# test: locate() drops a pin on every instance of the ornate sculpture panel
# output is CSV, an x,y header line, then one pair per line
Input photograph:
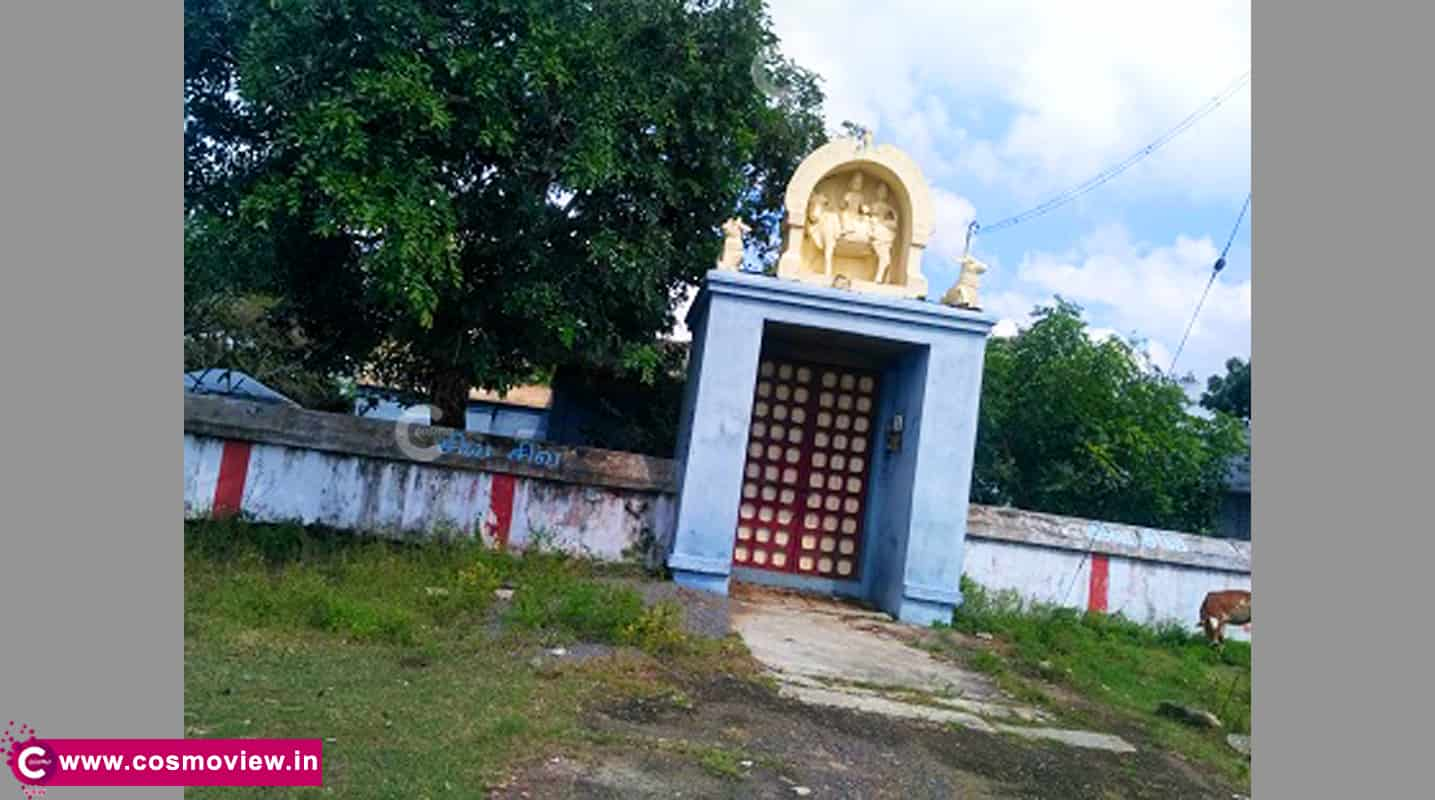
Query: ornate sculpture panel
x,y
860,216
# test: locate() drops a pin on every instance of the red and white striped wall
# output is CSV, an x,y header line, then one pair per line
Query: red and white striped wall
x,y
273,483
1147,575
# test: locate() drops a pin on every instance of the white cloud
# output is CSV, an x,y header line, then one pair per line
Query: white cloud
x,y
1084,84
1005,329
1150,292
952,214
1160,356
1012,305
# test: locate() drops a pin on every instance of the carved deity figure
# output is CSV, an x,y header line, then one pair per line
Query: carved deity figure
x,y
824,226
963,293
884,231
734,229
854,209
856,227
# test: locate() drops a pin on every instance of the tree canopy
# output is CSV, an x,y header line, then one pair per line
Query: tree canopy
x,y
454,194
1073,425
1230,393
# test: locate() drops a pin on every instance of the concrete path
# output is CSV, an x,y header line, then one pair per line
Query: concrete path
x,y
824,652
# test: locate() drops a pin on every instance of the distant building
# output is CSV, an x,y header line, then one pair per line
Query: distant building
x,y
520,414
1233,521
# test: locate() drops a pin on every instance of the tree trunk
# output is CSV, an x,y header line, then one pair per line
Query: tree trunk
x,y
448,394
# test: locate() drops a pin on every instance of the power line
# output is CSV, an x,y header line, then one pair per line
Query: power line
x,y
1215,270
1111,172
1221,262
1192,323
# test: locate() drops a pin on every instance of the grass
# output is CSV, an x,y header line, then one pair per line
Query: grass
x,y
422,684
399,657
1125,668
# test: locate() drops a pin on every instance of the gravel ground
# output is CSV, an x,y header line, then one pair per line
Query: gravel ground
x,y
704,613
778,748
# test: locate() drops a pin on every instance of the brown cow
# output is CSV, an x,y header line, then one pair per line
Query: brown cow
x,y
1219,608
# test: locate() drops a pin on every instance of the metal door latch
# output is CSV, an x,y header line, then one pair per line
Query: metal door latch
x,y
894,434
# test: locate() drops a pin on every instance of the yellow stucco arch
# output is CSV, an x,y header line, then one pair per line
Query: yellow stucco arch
x,y
826,172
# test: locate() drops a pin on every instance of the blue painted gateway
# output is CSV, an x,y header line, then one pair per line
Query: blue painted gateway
x,y
826,443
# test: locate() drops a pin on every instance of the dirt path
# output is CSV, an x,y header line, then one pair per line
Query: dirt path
x,y
825,652
740,740
829,729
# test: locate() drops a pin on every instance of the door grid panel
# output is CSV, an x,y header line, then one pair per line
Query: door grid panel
x,y
804,490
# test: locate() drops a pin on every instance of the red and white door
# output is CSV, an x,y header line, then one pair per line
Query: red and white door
x,y
804,491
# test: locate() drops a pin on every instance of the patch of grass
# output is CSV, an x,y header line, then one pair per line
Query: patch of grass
x,y
659,630
586,609
722,763
398,656
285,577
986,661
290,577
1126,667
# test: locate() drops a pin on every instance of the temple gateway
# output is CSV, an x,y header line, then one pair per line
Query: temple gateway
x,y
830,415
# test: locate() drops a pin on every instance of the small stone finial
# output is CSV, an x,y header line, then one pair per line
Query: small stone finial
x,y
860,135
963,293
731,258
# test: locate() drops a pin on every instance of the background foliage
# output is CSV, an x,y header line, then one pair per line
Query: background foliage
x,y
1230,393
1070,425
447,195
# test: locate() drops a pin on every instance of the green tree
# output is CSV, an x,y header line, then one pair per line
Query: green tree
x,y
1230,393
230,322
450,194
1074,426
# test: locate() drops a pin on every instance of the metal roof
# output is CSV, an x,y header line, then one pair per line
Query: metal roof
x,y
231,383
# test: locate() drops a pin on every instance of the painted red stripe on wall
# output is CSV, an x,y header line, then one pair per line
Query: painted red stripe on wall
x,y
1100,581
233,471
500,509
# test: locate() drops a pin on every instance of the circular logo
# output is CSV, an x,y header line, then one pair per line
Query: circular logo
x,y
419,415
34,762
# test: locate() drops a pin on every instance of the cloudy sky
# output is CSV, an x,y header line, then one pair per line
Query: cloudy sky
x,y
1006,104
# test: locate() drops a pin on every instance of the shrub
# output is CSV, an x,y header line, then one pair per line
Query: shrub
x,y
659,630
588,609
